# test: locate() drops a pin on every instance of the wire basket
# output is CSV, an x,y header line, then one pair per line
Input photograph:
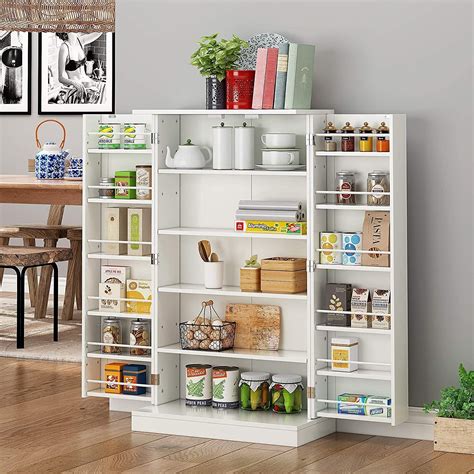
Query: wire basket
x,y
205,333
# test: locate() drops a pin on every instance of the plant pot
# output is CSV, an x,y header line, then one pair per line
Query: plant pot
x,y
250,279
454,435
239,89
215,93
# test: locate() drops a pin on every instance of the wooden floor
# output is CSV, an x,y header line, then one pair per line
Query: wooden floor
x,y
45,426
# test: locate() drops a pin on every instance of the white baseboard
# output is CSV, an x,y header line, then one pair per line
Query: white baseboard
x,y
418,426
9,284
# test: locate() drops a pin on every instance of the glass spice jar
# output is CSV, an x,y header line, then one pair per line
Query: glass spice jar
x,y
347,143
111,334
365,143
345,182
287,393
329,143
139,336
383,143
107,188
378,182
254,391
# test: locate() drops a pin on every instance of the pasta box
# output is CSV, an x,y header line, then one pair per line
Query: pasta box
x,y
134,374
114,374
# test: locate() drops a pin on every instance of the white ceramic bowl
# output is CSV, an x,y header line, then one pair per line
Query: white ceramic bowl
x,y
279,140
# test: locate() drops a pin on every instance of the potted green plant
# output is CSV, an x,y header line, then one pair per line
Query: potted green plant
x,y
213,58
454,422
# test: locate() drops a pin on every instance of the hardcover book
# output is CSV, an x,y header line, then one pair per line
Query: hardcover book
x,y
282,70
299,82
270,78
259,83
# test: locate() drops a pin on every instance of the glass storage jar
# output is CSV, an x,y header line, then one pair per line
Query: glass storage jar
x,y
378,182
107,190
254,391
111,334
347,143
329,143
345,182
365,143
383,143
139,336
287,393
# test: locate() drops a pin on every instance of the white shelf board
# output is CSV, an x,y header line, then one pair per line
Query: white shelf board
x,y
211,172
101,393
101,355
339,135
377,154
328,311
332,413
324,327
352,207
105,256
121,202
191,289
298,357
106,314
359,268
213,232
357,374
219,112
120,151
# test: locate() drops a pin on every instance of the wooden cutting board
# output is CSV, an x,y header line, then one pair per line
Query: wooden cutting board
x,y
258,325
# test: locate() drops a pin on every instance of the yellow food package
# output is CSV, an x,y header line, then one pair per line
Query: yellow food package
x,y
139,290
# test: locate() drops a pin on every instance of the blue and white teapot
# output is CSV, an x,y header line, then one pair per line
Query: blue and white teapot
x,y
50,161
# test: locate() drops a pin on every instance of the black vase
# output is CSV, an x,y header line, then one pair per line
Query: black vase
x,y
215,93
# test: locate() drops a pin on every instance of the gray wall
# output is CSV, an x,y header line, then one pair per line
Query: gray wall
x,y
412,57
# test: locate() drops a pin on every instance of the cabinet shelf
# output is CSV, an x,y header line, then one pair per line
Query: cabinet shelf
x,y
101,355
212,172
357,374
357,268
324,327
106,256
332,413
120,202
378,154
352,207
106,314
120,151
101,393
213,232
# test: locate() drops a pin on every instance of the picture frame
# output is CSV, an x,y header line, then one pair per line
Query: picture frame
x,y
15,73
76,74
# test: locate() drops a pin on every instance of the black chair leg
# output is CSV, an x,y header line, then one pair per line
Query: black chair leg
x,y
55,302
20,308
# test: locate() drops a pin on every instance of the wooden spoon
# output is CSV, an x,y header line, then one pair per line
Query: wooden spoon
x,y
207,248
214,257
202,251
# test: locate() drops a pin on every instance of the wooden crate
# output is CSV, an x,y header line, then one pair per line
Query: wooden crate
x,y
289,264
453,435
250,279
274,281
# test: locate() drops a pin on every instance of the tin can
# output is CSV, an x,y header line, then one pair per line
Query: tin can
x,y
139,336
345,182
109,135
329,242
225,387
351,244
143,178
107,190
198,385
134,136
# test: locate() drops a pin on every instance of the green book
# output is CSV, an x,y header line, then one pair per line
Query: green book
x,y
299,83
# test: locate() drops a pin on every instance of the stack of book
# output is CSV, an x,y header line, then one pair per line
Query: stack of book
x,y
280,217
284,77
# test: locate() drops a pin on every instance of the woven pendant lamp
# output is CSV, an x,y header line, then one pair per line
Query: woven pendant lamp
x,y
80,16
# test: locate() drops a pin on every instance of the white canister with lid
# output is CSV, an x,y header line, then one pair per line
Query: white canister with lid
x,y
244,147
222,147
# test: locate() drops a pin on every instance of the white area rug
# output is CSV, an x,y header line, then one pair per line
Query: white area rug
x,y
38,334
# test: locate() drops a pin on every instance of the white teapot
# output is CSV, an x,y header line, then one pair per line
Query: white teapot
x,y
188,156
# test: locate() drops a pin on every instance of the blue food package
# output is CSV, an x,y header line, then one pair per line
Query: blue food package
x,y
350,407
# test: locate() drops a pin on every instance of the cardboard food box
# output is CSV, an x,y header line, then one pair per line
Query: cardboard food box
x,y
383,408
134,374
108,293
114,274
338,298
376,237
361,320
139,230
139,290
381,301
344,351
361,301
284,275
272,227
124,179
351,403
114,374
381,321
115,229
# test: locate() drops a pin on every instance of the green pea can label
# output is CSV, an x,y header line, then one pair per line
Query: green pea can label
x,y
198,385
225,387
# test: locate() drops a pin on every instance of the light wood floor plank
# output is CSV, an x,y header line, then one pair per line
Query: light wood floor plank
x,y
447,463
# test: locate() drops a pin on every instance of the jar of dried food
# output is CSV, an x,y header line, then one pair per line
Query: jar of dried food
x,y
287,393
107,190
345,182
378,182
254,391
347,142
111,334
365,143
143,181
383,143
139,336
329,142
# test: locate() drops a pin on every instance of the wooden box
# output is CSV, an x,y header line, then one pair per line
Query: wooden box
x,y
454,435
283,275
289,264
250,279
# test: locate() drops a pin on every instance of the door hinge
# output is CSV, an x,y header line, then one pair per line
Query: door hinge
x,y
155,138
155,258
310,266
155,379
311,392
310,139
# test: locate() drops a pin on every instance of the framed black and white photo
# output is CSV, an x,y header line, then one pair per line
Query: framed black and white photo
x,y
76,73
15,72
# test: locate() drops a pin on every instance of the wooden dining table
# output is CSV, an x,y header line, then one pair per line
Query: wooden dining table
x,y
58,193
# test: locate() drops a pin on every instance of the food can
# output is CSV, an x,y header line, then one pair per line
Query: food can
x,y
345,182
225,387
107,190
109,135
198,385
134,136
139,336
351,244
143,178
330,241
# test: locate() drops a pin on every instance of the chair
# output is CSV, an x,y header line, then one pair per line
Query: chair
x,y
74,275
32,257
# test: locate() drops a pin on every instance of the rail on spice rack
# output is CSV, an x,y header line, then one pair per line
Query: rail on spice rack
x,y
332,413
356,374
108,314
213,232
325,327
360,268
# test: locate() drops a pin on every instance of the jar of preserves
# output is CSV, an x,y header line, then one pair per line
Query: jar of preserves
x,y
345,182
383,143
365,143
287,393
378,182
139,336
107,190
111,334
254,391
347,142
329,143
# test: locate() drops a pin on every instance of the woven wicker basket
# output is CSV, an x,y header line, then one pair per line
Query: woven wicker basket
x,y
58,15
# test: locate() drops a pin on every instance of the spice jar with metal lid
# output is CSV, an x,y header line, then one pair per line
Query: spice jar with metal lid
x,y
378,182
347,142
254,391
287,393
365,142
107,190
140,336
329,143
111,334
383,143
345,182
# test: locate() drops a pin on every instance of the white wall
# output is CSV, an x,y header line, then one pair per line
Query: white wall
x,y
412,57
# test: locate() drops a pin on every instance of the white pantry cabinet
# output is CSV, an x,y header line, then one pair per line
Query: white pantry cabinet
x,y
189,205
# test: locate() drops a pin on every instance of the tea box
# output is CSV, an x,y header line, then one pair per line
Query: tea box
x,y
383,408
381,301
271,227
110,294
115,223
283,275
134,136
139,230
344,350
352,245
114,374
143,180
352,403
134,374
338,298
330,242
114,274
198,385
123,180
225,387
139,290
109,135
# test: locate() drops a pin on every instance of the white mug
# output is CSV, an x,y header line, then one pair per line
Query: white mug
x,y
213,274
279,140
280,157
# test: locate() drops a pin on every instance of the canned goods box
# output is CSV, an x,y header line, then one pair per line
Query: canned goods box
x,y
123,180
114,374
134,374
